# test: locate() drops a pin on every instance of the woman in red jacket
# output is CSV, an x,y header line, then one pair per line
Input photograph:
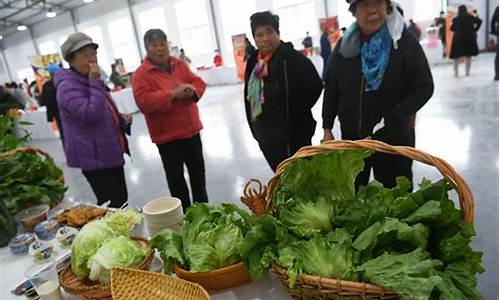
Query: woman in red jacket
x,y
166,92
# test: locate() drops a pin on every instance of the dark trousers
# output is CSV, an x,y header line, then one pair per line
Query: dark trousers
x,y
59,126
108,184
174,155
386,167
278,152
496,62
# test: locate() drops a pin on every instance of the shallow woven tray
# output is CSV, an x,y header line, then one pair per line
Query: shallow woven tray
x,y
96,290
314,287
227,277
127,284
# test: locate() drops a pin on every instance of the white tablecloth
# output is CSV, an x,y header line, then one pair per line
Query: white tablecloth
x,y
124,101
219,76
40,128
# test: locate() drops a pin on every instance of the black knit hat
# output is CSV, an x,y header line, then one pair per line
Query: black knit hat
x,y
265,18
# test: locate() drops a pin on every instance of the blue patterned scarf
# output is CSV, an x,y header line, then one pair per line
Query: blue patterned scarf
x,y
375,58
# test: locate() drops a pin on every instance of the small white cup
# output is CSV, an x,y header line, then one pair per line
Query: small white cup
x,y
161,213
45,281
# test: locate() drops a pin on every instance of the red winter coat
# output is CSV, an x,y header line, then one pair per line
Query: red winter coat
x,y
167,119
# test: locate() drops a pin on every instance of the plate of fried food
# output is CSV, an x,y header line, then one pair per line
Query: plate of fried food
x,y
80,215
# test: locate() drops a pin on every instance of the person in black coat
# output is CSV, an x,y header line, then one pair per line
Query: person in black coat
x,y
49,99
281,87
464,44
361,99
326,49
494,31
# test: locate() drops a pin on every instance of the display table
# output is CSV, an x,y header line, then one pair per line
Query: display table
x,y
12,269
40,129
218,75
124,100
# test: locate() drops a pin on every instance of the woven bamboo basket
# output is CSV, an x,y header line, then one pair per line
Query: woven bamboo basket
x,y
224,278
35,151
313,287
129,284
96,290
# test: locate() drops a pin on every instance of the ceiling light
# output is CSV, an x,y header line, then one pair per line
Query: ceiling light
x,y
1,37
88,1
22,27
51,14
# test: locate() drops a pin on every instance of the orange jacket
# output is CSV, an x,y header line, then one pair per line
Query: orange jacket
x,y
167,119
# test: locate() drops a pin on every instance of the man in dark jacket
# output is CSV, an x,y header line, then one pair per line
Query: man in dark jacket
x,y
281,87
369,79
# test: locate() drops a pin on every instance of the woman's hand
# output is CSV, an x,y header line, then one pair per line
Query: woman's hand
x,y
95,71
127,118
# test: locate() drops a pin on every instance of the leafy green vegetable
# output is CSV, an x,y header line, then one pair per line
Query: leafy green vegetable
x,y
90,238
391,234
311,191
171,244
27,179
115,252
446,289
210,238
463,277
95,234
373,203
9,139
260,245
410,275
330,257
122,222
309,218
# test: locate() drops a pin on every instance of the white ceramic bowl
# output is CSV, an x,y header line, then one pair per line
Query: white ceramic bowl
x,y
165,212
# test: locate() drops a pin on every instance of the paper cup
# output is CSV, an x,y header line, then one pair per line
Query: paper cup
x,y
161,213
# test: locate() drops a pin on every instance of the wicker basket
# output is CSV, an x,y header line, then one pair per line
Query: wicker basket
x,y
227,277
313,287
94,289
39,152
129,284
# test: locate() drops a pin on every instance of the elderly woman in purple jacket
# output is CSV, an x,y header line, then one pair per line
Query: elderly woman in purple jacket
x,y
93,127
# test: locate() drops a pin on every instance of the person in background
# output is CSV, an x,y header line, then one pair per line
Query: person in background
x,y
167,93
7,101
415,30
440,23
49,99
326,49
184,57
494,31
464,27
27,87
116,78
376,73
281,87
218,59
18,93
94,139
249,49
307,42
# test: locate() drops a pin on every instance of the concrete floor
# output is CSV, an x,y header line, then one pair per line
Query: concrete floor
x,y
459,124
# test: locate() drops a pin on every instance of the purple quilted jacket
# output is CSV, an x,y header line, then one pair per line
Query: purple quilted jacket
x,y
91,135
